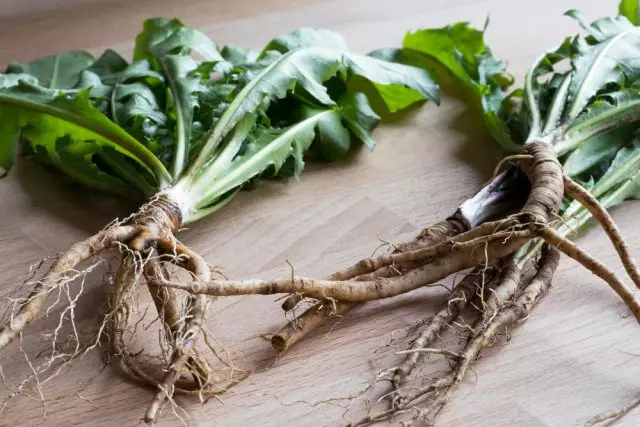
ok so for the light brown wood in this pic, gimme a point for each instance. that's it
(577, 355)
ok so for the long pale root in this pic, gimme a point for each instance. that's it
(615, 414)
(315, 316)
(596, 267)
(355, 291)
(165, 301)
(608, 224)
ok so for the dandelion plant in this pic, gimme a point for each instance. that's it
(181, 129)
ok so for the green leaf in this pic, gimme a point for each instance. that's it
(183, 84)
(624, 168)
(267, 147)
(43, 117)
(133, 100)
(94, 165)
(60, 71)
(162, 37)
(604, 28)
(390, 99)
(393, 97)
(630, 9)
(332, 140)
(305, 37)
(168, 45)
(136, 103)
(610, 111)
(536, 94)
(134, 93)
(358, 117)
(308, 68)
(10, 80)
(461, 50)
(227, 117)
(238, 55)
(391, 75)
(353, 117)
(596, 151)
(598, 65)
(109, 66)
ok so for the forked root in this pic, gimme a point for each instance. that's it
(510, 302)
(507, 315)
(510, 314)
(147, 236)
(121, 310)
(183, 347)
(457, 300)
(58, 273)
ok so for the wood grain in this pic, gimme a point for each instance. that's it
(577, 355)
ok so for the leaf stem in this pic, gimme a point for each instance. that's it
(557, 105)
(531, 101)
(208, 187)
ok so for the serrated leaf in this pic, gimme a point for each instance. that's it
(609, 111)
(308, 68)
(266, 147)
(625, 166)
(162, 37)
(538, 96)
(60, 71)
(598, 65)
(136, 99)
(388, 98)
(385, 73)
(42, 117)
(352, 117)
(231, 117)
(460, 49)
(79, 160)
(167, 45)
(305, 37)
(601, 29)
(596, 151)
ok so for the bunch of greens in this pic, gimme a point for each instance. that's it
(195, 120)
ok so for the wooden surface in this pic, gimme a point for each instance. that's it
(578, 353)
